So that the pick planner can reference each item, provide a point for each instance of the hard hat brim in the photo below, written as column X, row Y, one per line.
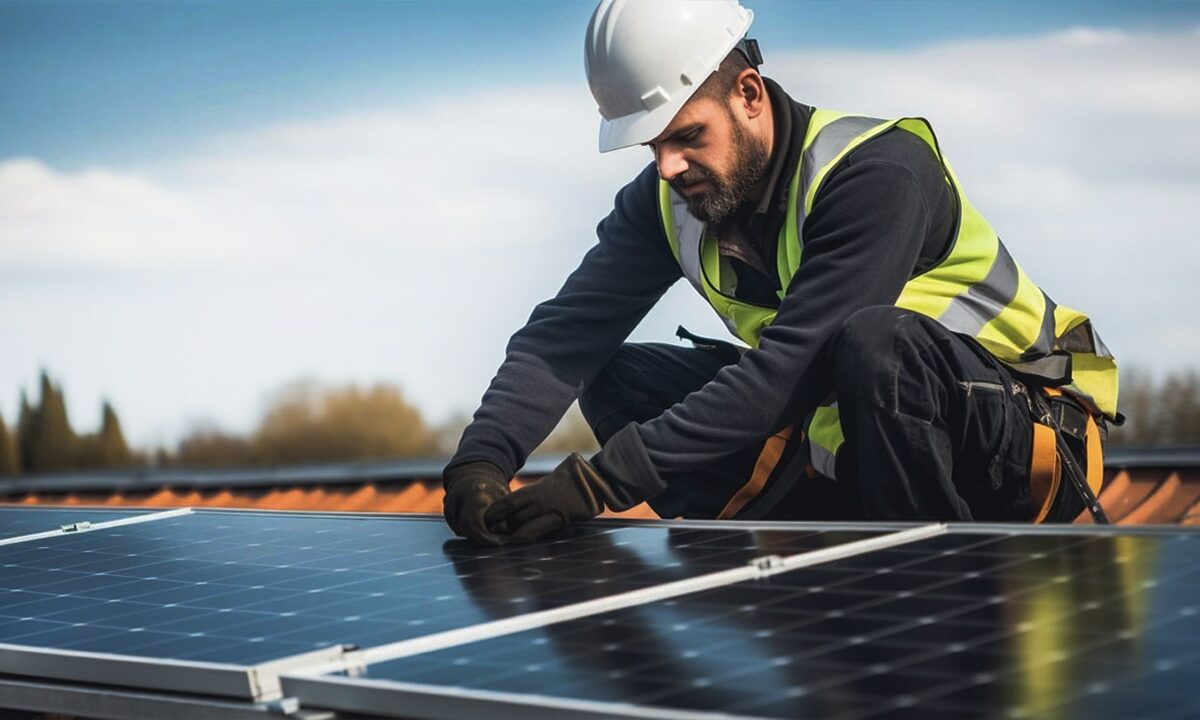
column 641, row 127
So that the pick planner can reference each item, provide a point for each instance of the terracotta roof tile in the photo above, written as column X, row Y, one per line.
column 1154, row 487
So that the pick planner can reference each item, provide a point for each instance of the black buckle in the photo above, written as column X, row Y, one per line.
column 1044, row 414
column 748, row 47
column 1071, row 418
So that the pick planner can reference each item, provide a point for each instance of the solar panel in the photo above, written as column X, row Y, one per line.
column 245, row 588
column 18, row 521
column 1068, row 623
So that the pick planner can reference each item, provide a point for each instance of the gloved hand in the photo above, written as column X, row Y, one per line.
column 572, row 493
column 470, row 490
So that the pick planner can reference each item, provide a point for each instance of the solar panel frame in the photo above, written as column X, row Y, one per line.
column 20, row 520
column 256, row 683
column 61, row 699
column 441, row 702
column 392, row 699
column 83, row 525
column 763, row 525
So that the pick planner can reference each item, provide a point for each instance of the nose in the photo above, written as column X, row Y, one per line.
column 670, row 163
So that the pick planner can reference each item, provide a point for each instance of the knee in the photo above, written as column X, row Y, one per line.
column 869, row 343
column 609, row 391
column 867, row 334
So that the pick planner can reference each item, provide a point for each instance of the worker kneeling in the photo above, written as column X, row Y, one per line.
column 900, row 363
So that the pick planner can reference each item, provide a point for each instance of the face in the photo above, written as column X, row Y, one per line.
column 709, row 156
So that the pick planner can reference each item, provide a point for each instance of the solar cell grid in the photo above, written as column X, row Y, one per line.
column 244, row 588
column 964, row 625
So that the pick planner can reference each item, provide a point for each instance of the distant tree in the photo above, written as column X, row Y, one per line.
column 450, row 432
column 1181, row 403
column 51, row 442
column 10, row 461
column 306, row 422
column 87, row 452
column 161, row 457
column 24, row 433
column 113, row 450
column 211, row 447
column 1165, row 412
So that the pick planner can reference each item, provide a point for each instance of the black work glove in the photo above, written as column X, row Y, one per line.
column 470, row 490
column 572, row 493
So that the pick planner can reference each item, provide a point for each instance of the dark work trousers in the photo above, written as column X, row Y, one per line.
column 934, row 430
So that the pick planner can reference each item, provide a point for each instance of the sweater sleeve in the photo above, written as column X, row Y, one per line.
column 862, row 241
column 569, row 338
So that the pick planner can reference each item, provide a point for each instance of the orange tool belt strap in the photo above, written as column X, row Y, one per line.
column 1045, row 466
column 768, row 459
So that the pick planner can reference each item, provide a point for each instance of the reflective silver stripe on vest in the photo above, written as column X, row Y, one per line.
column 1054, row 369
column 830, row 141
column 821, row 459
column 984, row 300
column 688, row 231
column 1045, row 341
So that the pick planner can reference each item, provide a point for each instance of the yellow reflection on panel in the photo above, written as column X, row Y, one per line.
column 1100, row 593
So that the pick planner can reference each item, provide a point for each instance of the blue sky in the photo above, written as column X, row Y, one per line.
column 124, row 82
column 200, row 202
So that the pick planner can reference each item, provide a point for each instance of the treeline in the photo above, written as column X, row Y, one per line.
column 305, row 422
column 310, row 423
column 43, row 440
column 1162, row 411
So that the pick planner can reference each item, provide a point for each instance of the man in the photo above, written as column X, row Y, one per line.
column 897, row 354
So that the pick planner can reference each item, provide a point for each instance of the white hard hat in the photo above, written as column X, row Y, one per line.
column 645, row 58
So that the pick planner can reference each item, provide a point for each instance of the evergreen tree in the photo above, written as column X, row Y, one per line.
column 112, row 450
column 25, row 423
column 10, row 464
column 51, row 441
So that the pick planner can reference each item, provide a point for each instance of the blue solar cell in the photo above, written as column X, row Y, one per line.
column 247, row 587
column 964, row 625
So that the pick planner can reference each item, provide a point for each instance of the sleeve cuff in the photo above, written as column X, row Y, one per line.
column 625, row 464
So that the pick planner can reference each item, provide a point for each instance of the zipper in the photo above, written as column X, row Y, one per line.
column 972, row 385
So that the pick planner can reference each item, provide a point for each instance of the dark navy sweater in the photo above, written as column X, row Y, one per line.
column 882, row 216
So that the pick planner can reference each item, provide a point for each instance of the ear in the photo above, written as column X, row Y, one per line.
column 751, row 93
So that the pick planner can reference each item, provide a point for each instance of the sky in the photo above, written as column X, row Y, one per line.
column 201, row 202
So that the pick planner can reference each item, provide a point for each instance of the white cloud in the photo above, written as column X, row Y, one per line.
column 408, row 244
column 1079, row 146
column 403, row 245
column 98, row 217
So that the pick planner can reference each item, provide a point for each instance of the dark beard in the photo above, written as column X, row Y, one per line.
column 723, row 196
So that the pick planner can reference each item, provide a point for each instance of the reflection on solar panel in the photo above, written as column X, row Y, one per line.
column 245, row 588
column 617, row 619
column 962, row 625
column 18, row 521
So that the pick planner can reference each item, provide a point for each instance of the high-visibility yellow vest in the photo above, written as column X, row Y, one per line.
column 976, row 290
